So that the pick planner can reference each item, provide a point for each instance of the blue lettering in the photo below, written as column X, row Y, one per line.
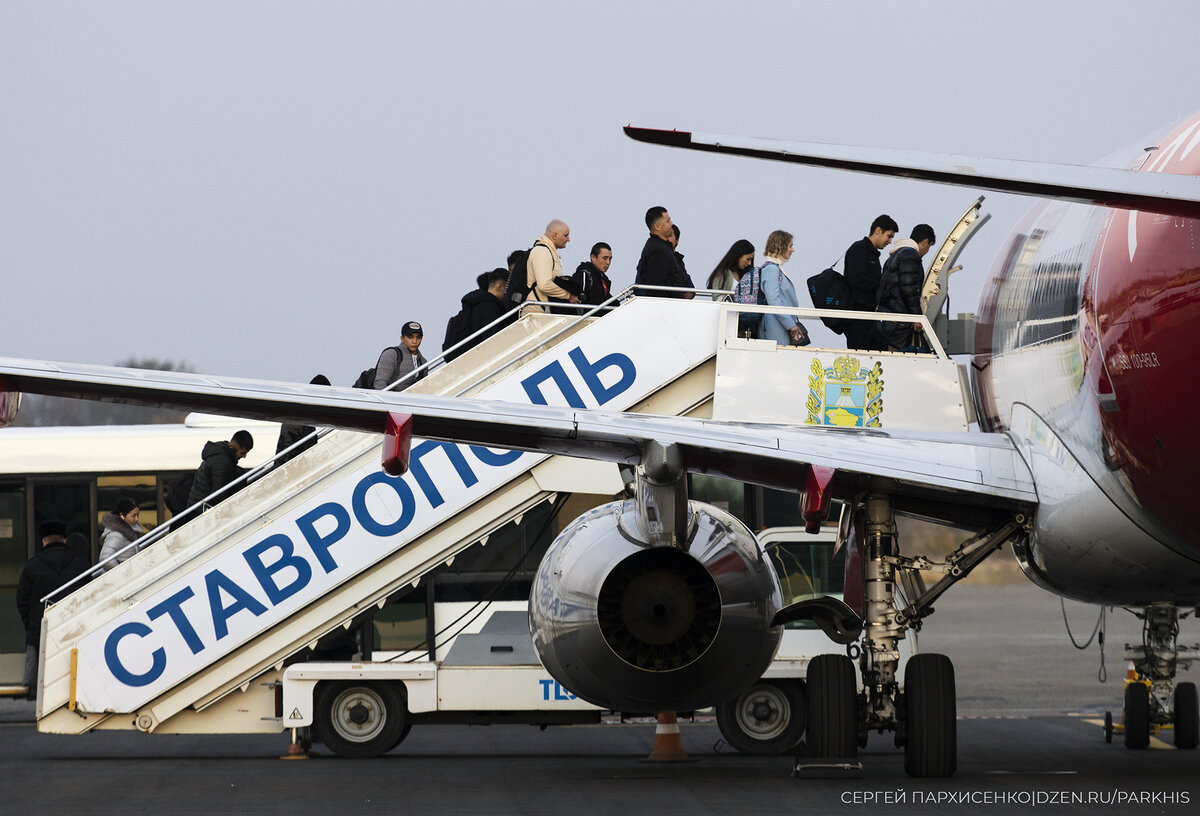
column 320, row 544
column 454, row 454
column 368, row 523
column 158, row 657
column 287, row 558
column 491, row 457
column 217, row 581
column 561, row 693
column 172, row 607
column 554, row 371
column 591, row 373
column 546, row 688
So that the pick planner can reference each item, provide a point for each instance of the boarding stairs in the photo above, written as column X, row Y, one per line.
column 165, row 641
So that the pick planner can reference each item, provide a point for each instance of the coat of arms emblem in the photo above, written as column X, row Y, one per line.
column 845, row 394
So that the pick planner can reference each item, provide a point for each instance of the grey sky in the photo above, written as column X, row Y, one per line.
column 270, row 189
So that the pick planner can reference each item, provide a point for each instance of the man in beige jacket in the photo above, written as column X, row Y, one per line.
column 545, row 265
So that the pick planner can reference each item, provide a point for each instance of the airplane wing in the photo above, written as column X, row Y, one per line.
column 1168, row 193
column 984, row 469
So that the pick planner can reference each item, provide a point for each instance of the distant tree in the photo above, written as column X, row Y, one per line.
column 41, row 411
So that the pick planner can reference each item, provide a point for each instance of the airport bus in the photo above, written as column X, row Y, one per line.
column 76, row 474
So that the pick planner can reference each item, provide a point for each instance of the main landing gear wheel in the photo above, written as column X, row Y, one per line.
column 1108, row 726
column 1137, row 716
column 361, row 720
column 832, row 708
column 931, row 746
column 1187, row 717
column 765, row 719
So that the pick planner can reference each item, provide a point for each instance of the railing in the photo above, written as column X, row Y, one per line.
column 729, row 310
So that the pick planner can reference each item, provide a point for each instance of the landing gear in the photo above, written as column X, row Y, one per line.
column 361, row 720
column 1152, row 700
column 766, row 719
column 923, row 714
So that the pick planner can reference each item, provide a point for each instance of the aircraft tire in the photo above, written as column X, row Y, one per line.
column 361, row 720
column 931, row 746
column 832, row 708
column 765, row 719
column 1187, row 717
column 1137, row 716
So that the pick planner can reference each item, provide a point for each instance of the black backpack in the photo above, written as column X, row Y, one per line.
column 517, row 289
column 457, row 329
column 176, row 499
column 366, row 378
column 829, row 290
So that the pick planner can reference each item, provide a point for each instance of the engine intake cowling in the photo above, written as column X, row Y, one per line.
column 637, row 628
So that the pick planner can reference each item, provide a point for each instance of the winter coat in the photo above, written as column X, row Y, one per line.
column 484, row 309
column 289, row 434
column 862, row 274
column 659, row 266
column 778, row 290
column 117, row 534
column 394, row 362
column 594, row 285
column 218, row 468
column 900, row 292
column 724, row 279
column 53, row 566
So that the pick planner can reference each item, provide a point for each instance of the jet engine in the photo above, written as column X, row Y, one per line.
column 634, row 627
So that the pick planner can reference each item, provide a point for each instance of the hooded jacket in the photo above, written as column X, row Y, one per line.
column 53, row 566
column 218, row 469
column 594, row 285
column 900, row 291
column 117, row 534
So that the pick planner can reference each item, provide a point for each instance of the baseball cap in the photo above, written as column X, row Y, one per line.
column 411, row 328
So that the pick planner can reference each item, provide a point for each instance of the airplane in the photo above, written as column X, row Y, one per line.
column 1082, row 377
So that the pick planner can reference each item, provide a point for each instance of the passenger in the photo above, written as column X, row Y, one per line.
column 291, row 432
column 397, row 361
column 53, row 566
column 545, row 268
column 728, row 272
column 900, row 290
column 591, row 277
column 673, row 238
column 777, row 288
column 219, row 467
column 483, row 305
column 659, row 264
column 121, row 528
column 862, row 276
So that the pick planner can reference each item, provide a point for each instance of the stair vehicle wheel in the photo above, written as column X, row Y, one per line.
column 931, row 746
column 1187, row 717
column 361, row 720
column 1137, row 716
column 1108, row 726
column 765, row 719
column 832, row 708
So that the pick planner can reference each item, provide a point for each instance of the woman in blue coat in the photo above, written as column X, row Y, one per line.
column 777, row 288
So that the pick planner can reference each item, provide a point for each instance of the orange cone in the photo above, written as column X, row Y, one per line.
column 668, row 745
column 1130, row 671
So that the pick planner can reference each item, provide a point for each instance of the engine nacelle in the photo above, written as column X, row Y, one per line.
column 631, row 627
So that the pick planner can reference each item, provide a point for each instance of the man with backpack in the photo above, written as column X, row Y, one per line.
column 480, row 307
column 397, row 361
column 543, row 267
column 592, row 276
column 862, row 271
column 53, row 566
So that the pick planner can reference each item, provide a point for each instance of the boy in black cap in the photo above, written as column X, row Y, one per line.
column 53, row 566
column 397, row 361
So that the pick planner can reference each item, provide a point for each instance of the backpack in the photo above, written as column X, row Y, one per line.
column 176, row 499
column 366, row 378
column 457, row 329
column 749, row 291
column 829, row 290
column 516, row 290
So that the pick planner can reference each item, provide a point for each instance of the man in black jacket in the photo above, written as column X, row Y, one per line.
column 219, row 466
column 862, row 275
column 658, row 265
column 592, row 276
column 483, row 305
column 53, row 566
column 900, row 289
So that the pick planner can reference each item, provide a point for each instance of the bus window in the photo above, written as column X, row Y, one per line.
column 807, row 570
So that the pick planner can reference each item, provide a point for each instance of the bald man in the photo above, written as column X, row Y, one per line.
column 545, row 265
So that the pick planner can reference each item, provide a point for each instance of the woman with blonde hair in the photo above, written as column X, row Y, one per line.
column 777, row 288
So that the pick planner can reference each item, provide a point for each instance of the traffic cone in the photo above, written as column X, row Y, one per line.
column 668, row 745
column 1130, row 672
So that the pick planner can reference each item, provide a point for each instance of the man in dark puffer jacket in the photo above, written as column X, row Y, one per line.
column 900, row 289
column 219, row 465
column 53, row 566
